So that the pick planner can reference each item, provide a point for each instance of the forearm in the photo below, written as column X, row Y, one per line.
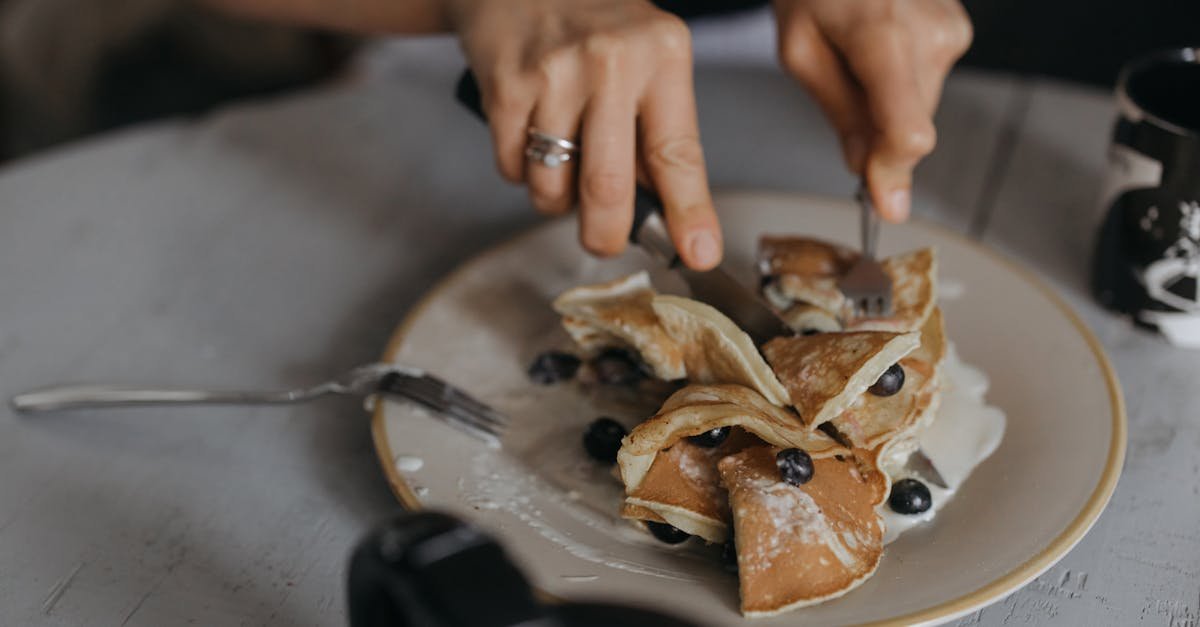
column 360, row 16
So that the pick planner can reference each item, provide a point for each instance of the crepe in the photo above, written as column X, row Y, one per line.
column 677, row 337
column 826, row 373
column 806, row 271
column 619, row 313
column 801, row 545
column 676, row 480
column 715, row 350
column 873, row 420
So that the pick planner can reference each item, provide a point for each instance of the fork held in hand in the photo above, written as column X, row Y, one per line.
column 449, row 403
column 866, row 285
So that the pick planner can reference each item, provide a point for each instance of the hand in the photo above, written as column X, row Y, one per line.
column 876, row 68
column 615, row 76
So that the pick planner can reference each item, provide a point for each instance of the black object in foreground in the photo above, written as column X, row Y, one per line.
column 427, row 569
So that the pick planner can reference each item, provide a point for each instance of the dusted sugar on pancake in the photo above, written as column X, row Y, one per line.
column 682, row 487
column 799, row 545
column 676, row 480
column 827, row 372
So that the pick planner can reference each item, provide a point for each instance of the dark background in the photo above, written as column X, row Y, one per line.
column 162, row 72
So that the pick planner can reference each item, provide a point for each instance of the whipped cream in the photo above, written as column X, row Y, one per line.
column 965, row 432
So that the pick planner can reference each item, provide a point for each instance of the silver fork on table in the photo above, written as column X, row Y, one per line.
column 449, row 403
column 866, row 285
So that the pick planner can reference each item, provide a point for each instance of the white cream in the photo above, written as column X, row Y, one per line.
column 965, row 432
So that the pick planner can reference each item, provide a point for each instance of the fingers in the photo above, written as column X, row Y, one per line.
column 670, row 146
column 606, row 178
column 508, row 105
column 946, row 36
column 557, row 113
column 808, row 56
column 881, row 57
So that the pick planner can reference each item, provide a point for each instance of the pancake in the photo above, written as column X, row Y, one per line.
column 914, row 293
column 801, row 545
column 806, row 271
column 826, row 373
column 619, row 313
column 677, row 337
column 873, row 420
column 807, row 319
column 676, row 480
column 715, row 350
column 682, row 487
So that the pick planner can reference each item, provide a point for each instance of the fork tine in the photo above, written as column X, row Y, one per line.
column 457, row 416
column 451, row 404
column 450, row 395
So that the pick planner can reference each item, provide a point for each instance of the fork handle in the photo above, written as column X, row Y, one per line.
column 869, row 222
column 96, row 396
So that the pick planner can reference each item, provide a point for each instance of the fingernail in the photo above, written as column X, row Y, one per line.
column 898, row 205
column 856, row 151
column 706, row 252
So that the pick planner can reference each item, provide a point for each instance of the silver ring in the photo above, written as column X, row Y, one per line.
column 549, row 150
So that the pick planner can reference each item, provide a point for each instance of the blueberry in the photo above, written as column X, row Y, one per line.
column 617, row 367
column 795, row 466
column 909, row 496
column 710, row 439
column 667, row 533
column 552, row 367
column 807, row 332
column 602, row 440
column 729, row 557
column 889, row 382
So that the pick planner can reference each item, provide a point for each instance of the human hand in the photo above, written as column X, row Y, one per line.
column 876, row 68
column 614, row 76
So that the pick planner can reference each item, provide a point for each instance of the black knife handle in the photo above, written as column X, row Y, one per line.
column 645, row 202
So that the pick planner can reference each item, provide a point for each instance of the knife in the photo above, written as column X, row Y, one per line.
column 715, row 287
column 920, row 465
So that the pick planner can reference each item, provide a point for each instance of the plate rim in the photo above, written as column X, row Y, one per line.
column 945, row 611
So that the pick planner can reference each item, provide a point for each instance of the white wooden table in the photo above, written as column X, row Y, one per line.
column 280, row 241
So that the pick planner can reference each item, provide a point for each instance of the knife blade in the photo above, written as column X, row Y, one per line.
column 715, row 287
column 919, row 464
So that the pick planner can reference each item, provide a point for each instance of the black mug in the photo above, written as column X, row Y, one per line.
column 1147, row 256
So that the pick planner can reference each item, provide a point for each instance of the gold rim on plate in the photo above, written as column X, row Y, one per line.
column 948, row 610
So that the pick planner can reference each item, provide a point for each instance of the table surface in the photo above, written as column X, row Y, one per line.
column 279, row 241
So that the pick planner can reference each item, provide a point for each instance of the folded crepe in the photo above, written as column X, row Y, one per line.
column 825, row 373
column 669, row 479
column 619, row 314
column 801, row 545
column 872, row 420
column 806, row 271
column 677, row 337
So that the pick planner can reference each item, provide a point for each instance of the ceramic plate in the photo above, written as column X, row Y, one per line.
column 556, row 511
